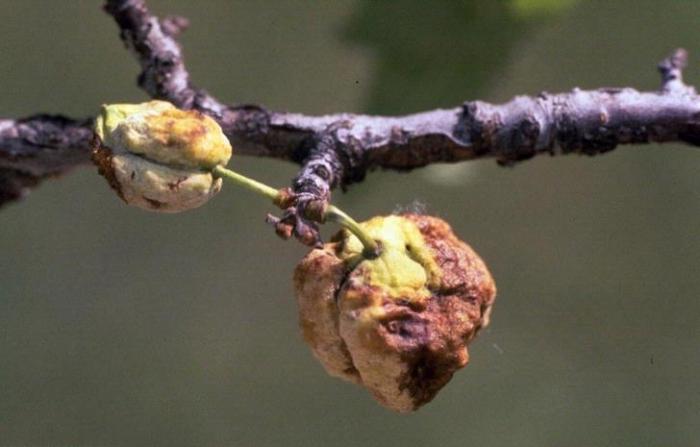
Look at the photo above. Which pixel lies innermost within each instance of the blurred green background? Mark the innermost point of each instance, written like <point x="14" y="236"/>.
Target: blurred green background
<point x="124" y="328"/>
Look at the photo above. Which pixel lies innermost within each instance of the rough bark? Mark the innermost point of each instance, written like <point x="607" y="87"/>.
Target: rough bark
<point x="37" y="147"/>
<point x="336" y="150"/>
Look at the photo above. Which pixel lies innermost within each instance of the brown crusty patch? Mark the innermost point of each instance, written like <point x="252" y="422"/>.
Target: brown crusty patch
<point x="102" y="157"/>
<point x="455" y="312"/>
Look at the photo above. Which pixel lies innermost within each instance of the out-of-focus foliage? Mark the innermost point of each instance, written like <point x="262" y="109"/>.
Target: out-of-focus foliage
<point x="541" y="7"/>
<point x="450" y="46"/>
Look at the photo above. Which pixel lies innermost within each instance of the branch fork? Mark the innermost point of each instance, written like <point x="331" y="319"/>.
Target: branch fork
<point x="337" y="150"/>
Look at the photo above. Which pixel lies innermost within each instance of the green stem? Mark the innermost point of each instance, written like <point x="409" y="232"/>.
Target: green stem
<point x="333" y="213"/>
<point x="246" y="182"/>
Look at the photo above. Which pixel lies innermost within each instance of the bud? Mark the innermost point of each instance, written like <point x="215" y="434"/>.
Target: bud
<point x="157" y="157"/>
<point x="398" y="324"/>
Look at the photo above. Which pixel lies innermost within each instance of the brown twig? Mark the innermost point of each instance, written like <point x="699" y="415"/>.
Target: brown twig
<point x="336" y="150"/>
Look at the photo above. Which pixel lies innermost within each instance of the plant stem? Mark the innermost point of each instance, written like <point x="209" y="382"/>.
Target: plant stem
<point x="335" y="214"/>
<point x="246" y="182"/>
<point x="332" y="213"/>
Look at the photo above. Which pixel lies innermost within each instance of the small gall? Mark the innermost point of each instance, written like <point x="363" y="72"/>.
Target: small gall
<point x="158" y="157"/>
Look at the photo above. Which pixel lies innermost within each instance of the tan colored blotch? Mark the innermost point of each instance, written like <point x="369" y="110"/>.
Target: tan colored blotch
<point x="399" y="325"/>
<point x="157" y="157"/>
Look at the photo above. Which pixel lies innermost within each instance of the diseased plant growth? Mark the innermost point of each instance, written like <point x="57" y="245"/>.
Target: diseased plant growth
<point x="391" y="303"/>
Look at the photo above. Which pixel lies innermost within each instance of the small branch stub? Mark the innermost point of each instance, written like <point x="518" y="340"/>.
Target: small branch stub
<point x="671" y="70"/>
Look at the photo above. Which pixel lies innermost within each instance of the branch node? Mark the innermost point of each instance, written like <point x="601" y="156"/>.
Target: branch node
<point x="671" y="70"/>
<point x="173" y="26"/>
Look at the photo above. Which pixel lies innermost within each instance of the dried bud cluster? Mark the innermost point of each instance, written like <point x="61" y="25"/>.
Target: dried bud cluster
<point x="157" y="157"/>
<point x="399" y="324"/>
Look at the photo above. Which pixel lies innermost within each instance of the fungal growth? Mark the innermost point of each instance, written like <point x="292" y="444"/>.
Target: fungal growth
<point x="390" y="304"/>
<point x="399" y="324"/>
<point x="158" y="157"/>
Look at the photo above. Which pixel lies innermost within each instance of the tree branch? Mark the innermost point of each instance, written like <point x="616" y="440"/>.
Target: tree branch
<point x="44" y="144"/>
<point x="336" y="150"/>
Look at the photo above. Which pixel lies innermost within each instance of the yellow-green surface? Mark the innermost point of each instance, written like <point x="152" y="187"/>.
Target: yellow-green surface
<point x="164" y="134"/>
<point x="405" y="267"/>
<point x="112" y="115"/>
<point x="125" y="328"/>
